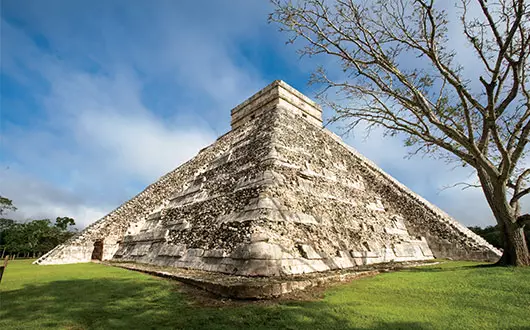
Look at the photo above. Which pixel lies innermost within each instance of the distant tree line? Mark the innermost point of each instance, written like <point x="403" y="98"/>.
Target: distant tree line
<point x="32" y="238"/>
<point x="493" y="235"/>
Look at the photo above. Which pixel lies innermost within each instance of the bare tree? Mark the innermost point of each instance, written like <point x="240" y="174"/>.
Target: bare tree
<point x="400" y="72"/>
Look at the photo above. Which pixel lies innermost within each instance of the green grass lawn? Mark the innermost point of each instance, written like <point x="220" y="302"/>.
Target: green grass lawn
<point x="453" y="295"/>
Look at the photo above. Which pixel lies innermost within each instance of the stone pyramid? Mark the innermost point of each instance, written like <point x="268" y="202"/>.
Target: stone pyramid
<point x="276" y="195"/>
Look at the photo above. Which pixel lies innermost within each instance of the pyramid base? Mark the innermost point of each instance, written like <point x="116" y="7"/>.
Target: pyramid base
<point x="248" y="287"/>
<point x="267" y="259"/>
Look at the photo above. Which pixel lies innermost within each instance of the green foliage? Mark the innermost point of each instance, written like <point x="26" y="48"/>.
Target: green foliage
<point x="492" y="235"/>
<point x="6" y="205"/>
<point x="6" y="223"/>
<point x="453" y="295"/>
<point x="64" y="222"/>
<point x="32" y="238"/>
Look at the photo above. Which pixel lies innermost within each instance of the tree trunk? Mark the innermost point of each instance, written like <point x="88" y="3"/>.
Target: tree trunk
<point x="515" y="248"/>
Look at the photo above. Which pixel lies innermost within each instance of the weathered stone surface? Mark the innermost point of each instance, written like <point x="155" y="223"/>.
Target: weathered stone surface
<point x="277" y="195"/>
<point x="308" y="252"/>
<point x="257" y="250"/>
<point x="408" y="249"/>
<point x="177" y="250"/>
<point x="244" y="287"/>
<point x="215" y="253"/>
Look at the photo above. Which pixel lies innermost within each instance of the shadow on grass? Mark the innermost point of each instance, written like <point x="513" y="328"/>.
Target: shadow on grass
<point x="129" y="304"/>
<point x="432" y="269"/>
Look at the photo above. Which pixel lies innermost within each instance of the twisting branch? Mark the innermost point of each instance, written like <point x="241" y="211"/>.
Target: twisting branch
<point x="523" y="220"/>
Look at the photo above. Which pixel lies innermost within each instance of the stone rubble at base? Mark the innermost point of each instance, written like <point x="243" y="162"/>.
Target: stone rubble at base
<point x="277" y="195"/>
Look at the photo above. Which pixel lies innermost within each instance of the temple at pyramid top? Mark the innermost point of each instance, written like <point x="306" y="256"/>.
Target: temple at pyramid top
<point x="278" y="93"/>
<point x="277" y="195"/>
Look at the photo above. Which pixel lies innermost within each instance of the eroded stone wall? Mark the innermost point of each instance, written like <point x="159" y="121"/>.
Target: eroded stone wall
<point x="131" y="215"/>
<point x="288" y="199"/>
<point x="340" y="185"/>
<point x="277" y="195"/>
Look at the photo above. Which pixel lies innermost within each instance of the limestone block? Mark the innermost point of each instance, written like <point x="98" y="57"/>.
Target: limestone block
<point x="257" y="250"/>
<point x="121" y="250"/>
<point x="194" y="253"/>
<point x="270" y="203"/>
<point x="396" y="231"/>
<point x="177" y="250"/>
<point x="154" y="235"/>
<point x="150" y="224"/>
<point x="388" y="254"/>
<point x="342" y="261"/>
<point x="302" y="266"/>
<point x="194" y="197"/>
<point x="247" y="110"/>
<point x="215" y="253"/>
<point x="154" y="215"/>
<point x="194" y="263"/>
<point x="363" y="254"/>
<point x="358" y="184"/>
<point x="370" y="261"/>
<point x="355" y="224"/>
<point x="399" y="222"/>
<point x="259" y="237"/>
<point x="308" y="174"/>
<point x="268" y="177"/>
<point x="132" y="228"/>
<point x="373" y="246"/>
<point x="329" y="176"/>
<point x="259" y="267"/>
<point x="425" y="249"/>
<point x="305" y="184"/>
<point x="240" y="216"/>
<point x="377" y="206"/>
<point x="179" y="225"/>
<point x="289" y="95"/>
<point x="273" y="154"/>
<point x="109" y="250"/>
<point x="407" y="249"/>
<point x="359" y="261"/>
<point x="280" y="163"/>
<point x="303" y="218"/>
<point x="308" y="252"/>
<point x="140" y="249"/>
<point x="264" y="203"/>
<point x="219" y="161"/>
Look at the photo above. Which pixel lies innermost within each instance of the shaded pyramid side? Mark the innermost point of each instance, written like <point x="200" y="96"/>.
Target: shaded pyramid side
<point x="356" y="199"/>
<point x="290" y="198"/>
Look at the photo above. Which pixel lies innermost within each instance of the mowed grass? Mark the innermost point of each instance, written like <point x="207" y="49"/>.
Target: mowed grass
<point x="453" y="295"/>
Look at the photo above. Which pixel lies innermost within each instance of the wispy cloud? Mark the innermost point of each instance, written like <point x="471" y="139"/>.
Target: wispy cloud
<point x="100" y="134"/>
<point x="100" y="98"/>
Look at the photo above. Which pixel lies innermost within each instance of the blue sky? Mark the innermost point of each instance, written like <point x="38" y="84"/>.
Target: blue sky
<point x="100" y="98"/>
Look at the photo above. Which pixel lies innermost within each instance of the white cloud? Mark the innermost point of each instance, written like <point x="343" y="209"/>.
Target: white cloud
<point x="37" y="199"/>
<point x="97" y="143"/>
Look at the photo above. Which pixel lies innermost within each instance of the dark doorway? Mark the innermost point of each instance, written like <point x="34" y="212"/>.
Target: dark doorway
<point x="97" y="254"/>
